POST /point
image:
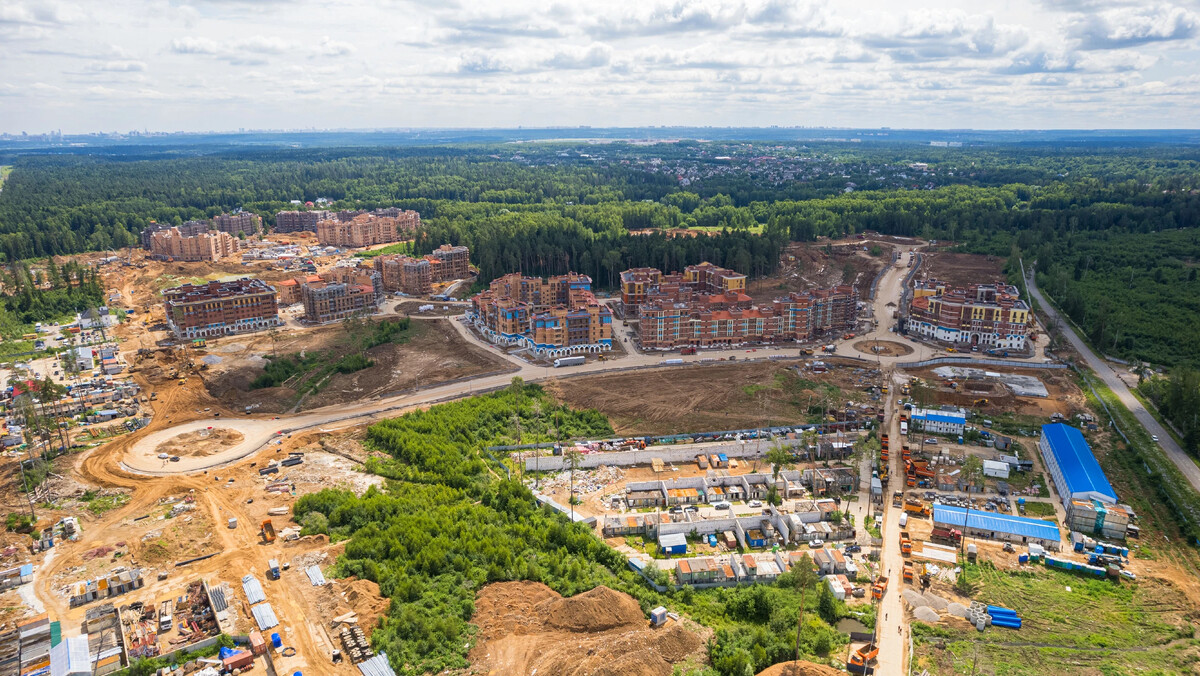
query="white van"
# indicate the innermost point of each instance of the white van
(903, 519)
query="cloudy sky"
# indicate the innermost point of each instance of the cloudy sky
(165, 65)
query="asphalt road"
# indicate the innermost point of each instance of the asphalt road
(1105, 372)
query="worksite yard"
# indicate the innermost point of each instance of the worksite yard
(805, 267)
(1065, 397)
(427, 353)
(960, 269)
(1071, 625)
(528, 628)
(717, 397)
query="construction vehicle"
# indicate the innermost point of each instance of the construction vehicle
(808, 351)
(905, 390)
(879, 588)
(980, 402)
(897, 498)
(273, 569)
(860, 658)
(905, 543)
(908, 572)
(164, 615)
(946, 535)
(917, 507)
(268, 531)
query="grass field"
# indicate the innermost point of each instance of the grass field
(1071, 625)
(1039, 509)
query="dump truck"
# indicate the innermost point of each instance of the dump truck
(273, 569)
(916, 507)
(908, 572)
(905, 543)
(946, 535)
(897, 498)
(879, 588)
(268, 531)
(884, 389)
(864, 655)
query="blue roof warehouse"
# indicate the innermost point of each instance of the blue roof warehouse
(995, 526)
(1090, 501)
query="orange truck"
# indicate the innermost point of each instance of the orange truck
(908, 572)
(864, 655)
(905, 544)
(879, 588)
(916, 507)
(268, 531)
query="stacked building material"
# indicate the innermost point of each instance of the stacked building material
(355, 643)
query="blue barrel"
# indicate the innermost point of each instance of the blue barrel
(276, 641)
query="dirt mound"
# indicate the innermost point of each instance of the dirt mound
(527, 628)
(600, 609)
(800, 668)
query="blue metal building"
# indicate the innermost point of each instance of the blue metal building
(1073, 467)
(996, 526)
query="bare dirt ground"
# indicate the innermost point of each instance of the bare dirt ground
(527, 628)
(434, 353)
(1065, 396)
(800, 668)
(719, 397)
(959, 269)
(821, 265)
(201, 442)
(886, 348)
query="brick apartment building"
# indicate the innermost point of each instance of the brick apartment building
(289, 289)
(697, 283)
(300, 221)
(553, 317)
(330, 302)
(241, 221)
(221, 308)
(187, 229)
(208, 245)
(360, 228)
(416, 276)
(798, 317)
(984, 315)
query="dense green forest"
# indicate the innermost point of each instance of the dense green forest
(451, 521)
(53, 292)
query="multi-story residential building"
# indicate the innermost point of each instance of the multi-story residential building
(240, 221)
(187, 229)
(355, 276)
(289, 289)
(646, 285)
(413, 276)
(553, 317)
(209, 246)
(221, 308)
(332, 302)
(450, 262)
(984, 315)
(367, 229)
(726, 320)
(299, 221)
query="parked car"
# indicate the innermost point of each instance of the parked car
(1154, 438)
(722, 505)
(853, 549)
(816, 544)
(675, 510)
(755, 503)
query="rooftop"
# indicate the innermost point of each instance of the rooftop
(1079, 467)
(1000, 523)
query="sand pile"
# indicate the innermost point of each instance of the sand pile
(600, 609)
(800, 668)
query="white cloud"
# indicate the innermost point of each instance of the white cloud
(1133, 26)
(243, 63)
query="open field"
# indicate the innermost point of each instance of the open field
(1071, 625)
(719, 397)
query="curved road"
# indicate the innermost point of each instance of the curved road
(1101, 368)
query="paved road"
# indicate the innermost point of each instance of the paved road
(1182, 460)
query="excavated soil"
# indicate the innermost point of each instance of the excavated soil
(527, 628)
(800, 668)
(200, 443)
